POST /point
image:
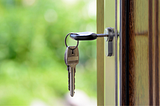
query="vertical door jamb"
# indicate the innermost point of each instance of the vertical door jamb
(100, 53)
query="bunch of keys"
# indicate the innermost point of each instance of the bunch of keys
(71, 58)
(71, 55)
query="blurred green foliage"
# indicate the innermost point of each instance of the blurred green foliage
(32, 49)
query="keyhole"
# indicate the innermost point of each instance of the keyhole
(72, 52)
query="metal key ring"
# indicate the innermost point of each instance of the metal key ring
(66, 40)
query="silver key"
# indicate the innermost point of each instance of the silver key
(71, 60)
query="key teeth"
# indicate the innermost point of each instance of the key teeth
(74, 78)
(68, 80)
(74, 83)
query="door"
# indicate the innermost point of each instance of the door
(139, 58)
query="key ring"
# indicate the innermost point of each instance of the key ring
(66, 40)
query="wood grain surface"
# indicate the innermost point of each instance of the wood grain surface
(140, 49)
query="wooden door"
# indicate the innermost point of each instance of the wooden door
(140, 59)
(140, 53)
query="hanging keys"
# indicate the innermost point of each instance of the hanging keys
(71, 56)
(71, 60)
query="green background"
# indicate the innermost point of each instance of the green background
(32, 49)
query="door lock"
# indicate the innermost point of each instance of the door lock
(109, 33)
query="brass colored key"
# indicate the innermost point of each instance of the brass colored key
(71, 60)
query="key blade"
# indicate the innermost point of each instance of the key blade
(72, 81)
(68, 78)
